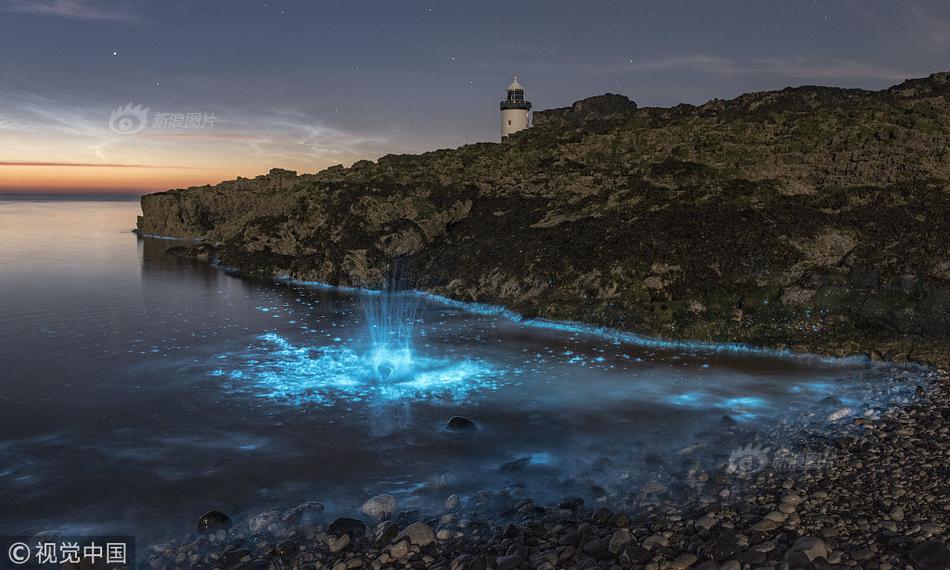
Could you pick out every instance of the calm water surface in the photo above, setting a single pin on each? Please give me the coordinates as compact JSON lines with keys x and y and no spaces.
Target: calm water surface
{"x":138,"y":390}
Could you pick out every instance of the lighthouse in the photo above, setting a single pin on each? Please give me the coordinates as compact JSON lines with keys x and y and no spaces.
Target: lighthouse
{"x":514,"y":110}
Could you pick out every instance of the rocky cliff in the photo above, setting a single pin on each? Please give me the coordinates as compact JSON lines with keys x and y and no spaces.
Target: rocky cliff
{"x":813,"y":218}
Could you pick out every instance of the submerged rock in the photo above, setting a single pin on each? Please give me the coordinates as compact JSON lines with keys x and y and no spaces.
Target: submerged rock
{"x":514,"y":466}
{"x":212,"y":521}
{"x":461,"y":423}
{"x":304,"y":512}
{"x":263,"y":521}
{"x":346,"y":525}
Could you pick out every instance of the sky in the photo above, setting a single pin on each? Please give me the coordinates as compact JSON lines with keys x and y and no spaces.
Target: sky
{"x":140,"y":96}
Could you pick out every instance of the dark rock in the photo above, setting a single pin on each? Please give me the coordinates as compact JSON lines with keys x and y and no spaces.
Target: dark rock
{"x":806,"y":550}
{"x":231,"y":557}
{"x":460,"y":423}
{"x":516,"y":465}
{"x":212,"y":521}
{"x":386,"y":532}
{"x":931,"y":555}
{"x":287,"y":548}
{"x":602,"y":108}
{"x":571,"y":503}
{"x":304,"y":513}
{"x":508,"y":562}
{"x":637,"y":554}
{"x":596,"y":548}
{"x":601,"y":516}
{"x":723,"y":547}
{"x":345,"y":525}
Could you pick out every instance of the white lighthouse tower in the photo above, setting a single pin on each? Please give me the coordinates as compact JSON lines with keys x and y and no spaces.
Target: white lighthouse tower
{"x":514,"y":110}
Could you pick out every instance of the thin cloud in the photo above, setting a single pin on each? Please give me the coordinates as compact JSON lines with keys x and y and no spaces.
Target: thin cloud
{"x":790,"y":67}
{"x":74,"y":9}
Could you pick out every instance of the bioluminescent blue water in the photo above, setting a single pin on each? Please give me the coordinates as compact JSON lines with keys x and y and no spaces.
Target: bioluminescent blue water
{"x":180,"y":388}
{"x":275,"y":368}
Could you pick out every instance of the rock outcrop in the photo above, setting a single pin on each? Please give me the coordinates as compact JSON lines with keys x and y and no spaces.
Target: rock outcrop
{"x":812,"y":218}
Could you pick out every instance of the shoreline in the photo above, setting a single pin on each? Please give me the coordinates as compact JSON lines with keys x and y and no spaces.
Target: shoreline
{"x":830,"y":354}
{"x":699,"y":518}
{"x":841,"y":510}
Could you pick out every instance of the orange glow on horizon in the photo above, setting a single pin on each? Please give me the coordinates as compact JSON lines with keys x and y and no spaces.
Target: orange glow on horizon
{"x":131,"y":179}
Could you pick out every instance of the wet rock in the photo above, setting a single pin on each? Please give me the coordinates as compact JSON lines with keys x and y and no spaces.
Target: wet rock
{"x":346,"y":525}
{"x":706,"y":522}
{"x":840,"y":414}
{"x":806,"y":550}
{"x":380,"y":507}
{"x":304,"y":513}
{"x":618,"y":540}
{"x":460,"y":423}
{"x":722,"y":547}
{"x":571,"y":503}
{"x":233,"y":556}
{"x":932,"y":555}
{"x":601,"y":516}
{"x":596,"y":548}
{"x":452,"y":503}
{"x":212,"y":521}
{"x":766,"y":525}
{"x":516,"y":465}
{"x":419,"y":533}
{"x":683,"y":561}
{"x":287,"y":548}
{"x":400,"y":549}
{"x":655,"y":541}
{"x":385,"y":533}
{"x":263,"y":521}
{"x":338,"y":543}
{"x":509,"y":562}
{"x":448,"y":534}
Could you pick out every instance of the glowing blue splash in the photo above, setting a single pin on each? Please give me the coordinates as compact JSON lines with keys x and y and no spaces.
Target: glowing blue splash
{"x":278,"y":369}
{"x":391,"y":318}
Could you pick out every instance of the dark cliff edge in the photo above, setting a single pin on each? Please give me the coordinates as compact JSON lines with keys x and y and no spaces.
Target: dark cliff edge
{"x":811,"y":218}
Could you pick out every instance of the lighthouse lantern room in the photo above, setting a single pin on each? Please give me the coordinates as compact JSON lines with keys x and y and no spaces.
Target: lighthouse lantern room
{"x":514,"y":110}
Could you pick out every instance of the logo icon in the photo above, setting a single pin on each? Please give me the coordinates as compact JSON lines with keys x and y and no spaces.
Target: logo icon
{"x":748,"y":460}
{"x":19,"y":553}
{"x":128,"y":120}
